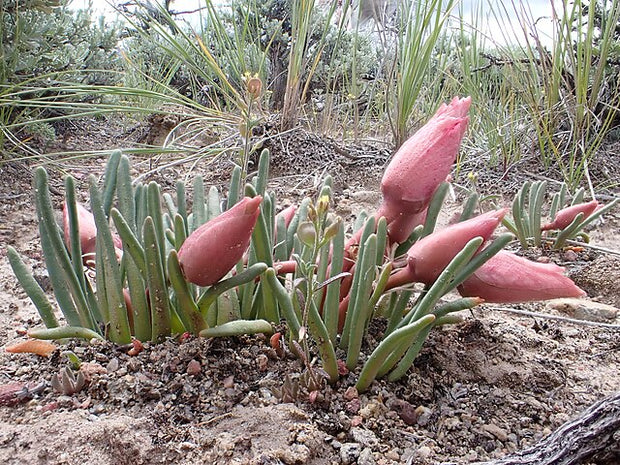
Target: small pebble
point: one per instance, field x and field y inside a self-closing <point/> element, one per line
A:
<point x="496" y="431"/>
<point x="405" y="411"/>
<point x="570" y="255"/>
<point x="365" y="437"/>
<point x="193" y="367"/>
<point x="366" y="457"/>
<point x="351" y="393"/>
<point x="228" y="382"/>
<point x="263" y="362"/>
<point x="112" y="365"/>
<point x="353" y="406"/>
<point x="424" y="452"/>
<point x="423" y="415"/>
<point x="349" y="453"/>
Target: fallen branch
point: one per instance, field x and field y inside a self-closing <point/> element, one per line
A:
<point x="592" y="437"/>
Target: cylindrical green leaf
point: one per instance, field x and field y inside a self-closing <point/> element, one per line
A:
<point x="199" y="210"/>
<point x="156" y="283"/>
<point x="434" y="207"/>
<point x="470" y="207"/>
<point x="284" y="301"/>
<point x="238" y="328"/>
<point x="210" y="295"/>
<point x="330" y="305"/>
<point x="131" y="243"/>
<point x="118" y="330"/>
<point x="57" y="259"/>
<point x="109" y="181"/>
<point x="359" y="310"/>
<point x="386" y="347"/>
<point x="235" y="187"/>
<point x="213" y="203"/>
<point x="182" y="203"/>
<point x="32" y="288"/>
<point x="65" y="332"/>
<point x="140" y="312"/>
<point x="125" y="194"/>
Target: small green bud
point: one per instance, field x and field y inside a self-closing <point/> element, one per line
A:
<point x="322" y="205"/>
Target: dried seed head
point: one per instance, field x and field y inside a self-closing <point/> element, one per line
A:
<point x="254" y="86"/>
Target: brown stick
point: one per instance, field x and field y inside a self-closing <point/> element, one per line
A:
<point x="592" y="437"/>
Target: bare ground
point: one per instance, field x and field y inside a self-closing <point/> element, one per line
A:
<point x="479" y="390"/>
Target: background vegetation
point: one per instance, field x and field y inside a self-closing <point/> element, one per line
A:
<point x="348" y="72"/>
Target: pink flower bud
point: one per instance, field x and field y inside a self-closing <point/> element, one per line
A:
<point x="566" y="216"/>
<point x="508" y="278"/>
<point x="420" y="165"/>
<point x="428" y="257"/>
<point x="215" y="247"/>
<point x="87" y="232"/>
<point x="457" y="107"/>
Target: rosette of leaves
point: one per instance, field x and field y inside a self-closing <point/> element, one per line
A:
<point x="568" y="215"/>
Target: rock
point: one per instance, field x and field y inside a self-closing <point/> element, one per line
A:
<point x="365" y="437"/>
<point x="262" y="361"/>
<point x="405" y="411"/>
<point x="296" y="453"/>
<point x="112" y="365"/>
<point x="570" y="256"/>
<point x="423" y="415"/>
<point x="349" y="453"/>
<point x="193" y="367"/>
<point x="585" y="310"/>
<point x="366" y="457"/>
<point x="353" y="406"/>
<point x="424" y="452"/>
<point x="350" y="394"/>
<point x="392" y="454"/>
<point x="496" y="431"/>
<point x="372" y="409"/>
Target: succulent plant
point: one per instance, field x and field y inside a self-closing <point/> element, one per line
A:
<point x="566" y="223"/>
<point x="67" y="383"/>
<point x="235" y="267"/>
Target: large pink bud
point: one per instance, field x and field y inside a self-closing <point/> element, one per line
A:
<point x="419" y="166"/>
<point x="566" y="216"/>
<point x="508" y="278"/>
<point x="428" y="257"/>
<point x="215" y="247"/>
<point x="86" y="226"/>
<point x="87" y="232"/>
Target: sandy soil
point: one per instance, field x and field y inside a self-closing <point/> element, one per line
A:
<point x="491" y="385"/>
